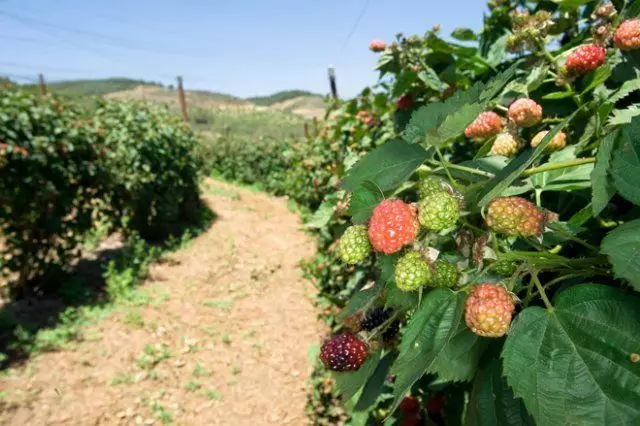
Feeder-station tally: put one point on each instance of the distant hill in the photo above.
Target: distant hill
(96, 87)
(282, 96)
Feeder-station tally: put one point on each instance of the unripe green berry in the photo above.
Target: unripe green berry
(412, 272)
(429, 186)
(446, 274)
(354, 246)
(439, 211)
(504, 267)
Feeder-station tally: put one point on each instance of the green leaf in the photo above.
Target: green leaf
(572, 365)
(498, 50)
(398, 299)
(602, 188)
(350, 383)
(323, 215)
(387, 165)
(492, 402)
(570, 4)
(597, 77)
(430, 78)
(625, 90)
(464, 34)
(360, 299)
(427, 334)
(622, 247)
(512, 171)
(625, 167)
(623, 116)
(558, 95)
(566, 179)
(375, 384)
(536, 77)
(364, 199)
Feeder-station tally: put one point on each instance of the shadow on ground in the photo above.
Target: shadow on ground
(111, 271)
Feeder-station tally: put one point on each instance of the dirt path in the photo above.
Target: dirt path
(220, 335)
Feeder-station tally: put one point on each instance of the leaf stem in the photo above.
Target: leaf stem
(465, 169)
(443, 164)
(501, 108)
(543, 295)
(559, 165)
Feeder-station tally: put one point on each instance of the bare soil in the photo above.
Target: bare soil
(221, 339)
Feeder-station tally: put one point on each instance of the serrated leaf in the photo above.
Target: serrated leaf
(498, 50)
(349, 383)
(429, 77)
(426, 336)
(625, 90)
(375, 385)
(398, 299)
(597, 77)
(565, 179)
(492, 402)
(622, 247)
(386, 166)
(361, 298)
(572, 365)
(602, 189)
(364, 199)
(323, 215)
(458, 360)
(632, 9)
(512, 171)
(536, 77)
(623, 116)
(464, 34)
(625, 167)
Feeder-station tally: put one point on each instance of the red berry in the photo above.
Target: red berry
(409, 404)
(393, 225)
(484, 126)
(488, 310)
(405, 101)
(435, 404)
(525, 112)
(586, 58)
(377, 45)
(516, 217)
(344, 352)
(627, 35)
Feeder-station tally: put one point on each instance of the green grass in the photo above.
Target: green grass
(224, 304)
(281, 96)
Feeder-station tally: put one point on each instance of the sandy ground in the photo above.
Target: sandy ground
(222, 338)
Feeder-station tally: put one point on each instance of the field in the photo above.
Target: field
(455, 245)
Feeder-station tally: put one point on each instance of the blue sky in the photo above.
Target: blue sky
(241, 47)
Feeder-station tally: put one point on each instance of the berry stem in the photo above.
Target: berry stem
(463, 169)
(543, 295)
(501, 108)
(552, 120)
(443, 163)
(558, 165)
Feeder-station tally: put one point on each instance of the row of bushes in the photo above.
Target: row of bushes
(63, 168)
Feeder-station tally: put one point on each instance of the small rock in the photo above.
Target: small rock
(121, 414)
(130, 412)
(149, 422)
(139, 420)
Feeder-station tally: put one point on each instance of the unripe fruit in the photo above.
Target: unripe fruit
(627, 36)
(525, 112)
(488, 310)
(439, 211)
(515, 216)
(504, 267)
(484, 126)
(430, 185)
(506, 145)
(446, 274)
(344, 352)
(354, 246)
(393, 225)
(558, 142)
(412, 272)
(377, 46)
(584, 59)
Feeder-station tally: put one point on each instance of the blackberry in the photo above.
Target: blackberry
(374, 318)
(391, 331)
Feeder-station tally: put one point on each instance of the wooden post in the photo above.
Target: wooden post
(43, 85)
(315, 126)
(306, 130)
(332, 83)
(183, 103)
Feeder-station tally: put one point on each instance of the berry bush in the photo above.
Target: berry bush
(63, 168)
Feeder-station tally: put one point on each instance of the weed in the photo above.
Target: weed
(199, 371)
(224, 304)
(192, 386)
(226, 339)
(121, 379)
(134, 318)
(213, 395)
(161, 413)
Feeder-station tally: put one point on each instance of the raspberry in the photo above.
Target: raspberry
(515, 216)
(525, 112)
(354, 246)
(409, 404)
(377, 46)
(374, 318)
(586, 58)
(344, 352)
(393, 224)
(405, 101)
(506, 145)
(627, 35)
(484, 126)
(488, 310)
(391, 331)
(446, 274)
(412, 272)
(558, 142)
(505, 267)
(439, 211)
(430, 185)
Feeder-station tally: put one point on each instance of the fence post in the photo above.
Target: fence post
(43, 85)
(315, 126)
(306, 130)
(332, 83)
(183, 103)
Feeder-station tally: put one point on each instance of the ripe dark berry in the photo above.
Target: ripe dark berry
(344, 352)
(374, 318)
(391, 331)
